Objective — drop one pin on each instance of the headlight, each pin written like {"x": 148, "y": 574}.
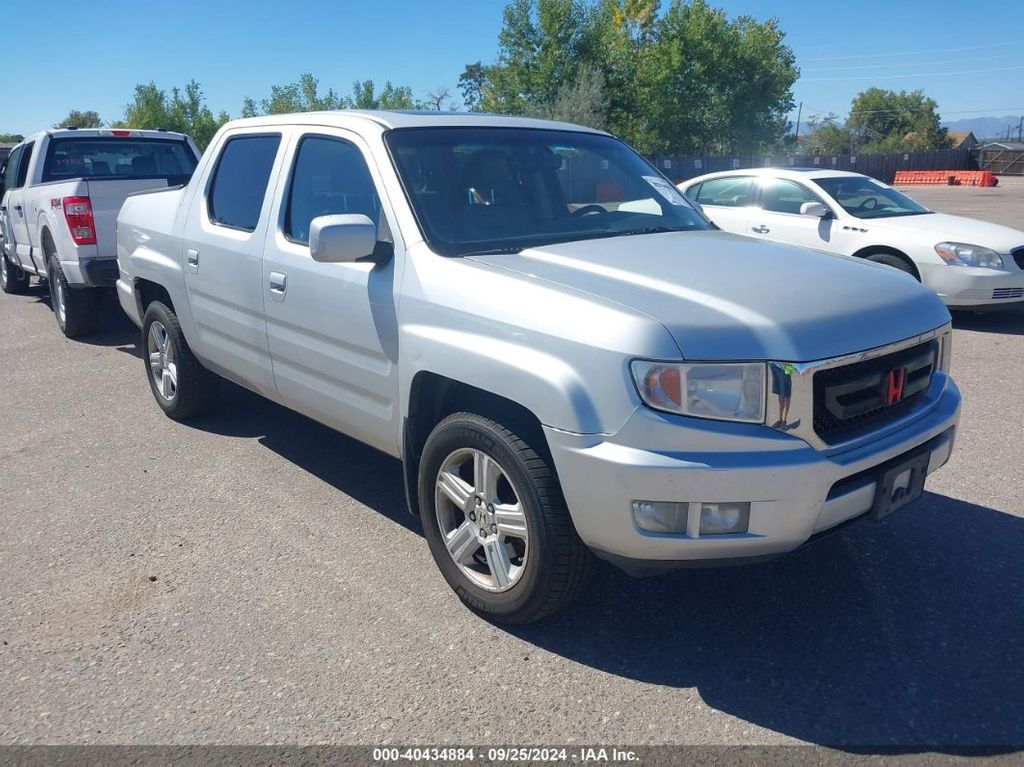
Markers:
{"x": 722, "y": 391}
{"x": 962, "y": 254}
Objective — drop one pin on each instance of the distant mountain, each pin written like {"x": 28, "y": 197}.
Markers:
{"x": 986, "y": 127}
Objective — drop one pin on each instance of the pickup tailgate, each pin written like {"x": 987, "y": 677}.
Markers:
{"x": 107, "y": 196}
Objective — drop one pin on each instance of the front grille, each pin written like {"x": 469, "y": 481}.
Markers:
{"x": 851, "y": 400}
{"x": 1003, "y": 293}
{"x": 1018, "y": 256}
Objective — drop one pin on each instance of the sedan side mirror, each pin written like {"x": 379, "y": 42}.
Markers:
{"x": 816, "y": 209}
{"x": 341, "y": 238}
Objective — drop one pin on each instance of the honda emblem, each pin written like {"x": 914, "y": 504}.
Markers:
{"x": 892, "y": 386}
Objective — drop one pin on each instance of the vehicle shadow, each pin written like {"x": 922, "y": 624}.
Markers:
{"x": 367, "y": 475}
{"x": 113, "y": 328}
{"x": 905, "y": 635}
{"x": 1007, "y": 321}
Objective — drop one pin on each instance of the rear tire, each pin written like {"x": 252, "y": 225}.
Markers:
{"x": 896, "y": 262}
{"x": 182, "y": 387}
{"x": 496, "y": 522}
{"x": 13, "y": 279}
{"x": 76, "y": 309}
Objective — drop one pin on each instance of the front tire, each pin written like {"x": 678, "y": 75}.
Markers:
{"x": 75, "y": 310}
{"x": 896, "y": 262}
{"x": 496, "y": 522}
{"x": 182, "y": 387}
{"x": 13, "y": 279}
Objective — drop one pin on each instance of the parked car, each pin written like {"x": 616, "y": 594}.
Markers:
{"x": 565, "y": 365}
{"x": 61, "y": 192}
{"x": 969, "y": 263}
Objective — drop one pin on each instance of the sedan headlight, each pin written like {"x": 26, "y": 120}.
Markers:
{"x": 721, "y": 391}
{"x": 962, "y": 254}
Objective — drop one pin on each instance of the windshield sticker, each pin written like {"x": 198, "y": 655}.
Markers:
{"x": 666, "y": 190}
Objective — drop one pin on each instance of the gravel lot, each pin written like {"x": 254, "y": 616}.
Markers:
{"x": 254, "y": 578}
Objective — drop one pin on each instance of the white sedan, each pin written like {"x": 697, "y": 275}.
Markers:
{"x": 969, "y": 263}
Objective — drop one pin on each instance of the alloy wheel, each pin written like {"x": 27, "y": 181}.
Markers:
{"x": 162, "y": 365}
{"x": 481, "y": 518}
{"x": 59, "y": 298}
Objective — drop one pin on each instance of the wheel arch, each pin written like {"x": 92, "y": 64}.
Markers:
{"x": 872, "y": 250}
{"x": 433, "y": 397}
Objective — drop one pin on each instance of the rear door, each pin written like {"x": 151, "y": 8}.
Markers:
{"x": 17, "y": 213}
{"x": 726, "y": 200}
{"x": 223, "y": 240}
{"x": 333, "y": 327}
{"x": 777, "y": 215}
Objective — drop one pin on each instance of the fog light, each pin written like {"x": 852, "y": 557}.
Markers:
{"x": 660, "y": 516}
{"x": 722, "y": 518}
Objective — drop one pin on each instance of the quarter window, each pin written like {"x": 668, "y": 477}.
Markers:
{"x": 240, "y": 180}
{"x": 11, "y": 170}
{"x": 728, "y": 192}
{"x": 330, "y": 178}
{"x": 781, "y": 196}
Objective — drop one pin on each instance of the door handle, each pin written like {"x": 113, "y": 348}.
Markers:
{"x": 192, "y": 257}
{"x": 762, "y": 229}
{"x": 18, "y": 208}
{"x": 278, "y": 282}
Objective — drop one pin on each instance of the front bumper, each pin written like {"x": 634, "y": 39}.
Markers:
{"x": 794, "y": 490}
{"x": 965, "y": 286}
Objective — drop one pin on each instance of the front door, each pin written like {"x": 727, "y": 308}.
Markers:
{"x": 223, "y": 242}
{"x": 333, "y": 328}
{"x": 15, "y": 214}
{"x": 726, "y": 201}
{"x": 777, "y": 216}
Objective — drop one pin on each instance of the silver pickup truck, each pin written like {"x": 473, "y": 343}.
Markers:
{"x": 567, "y": 357}
{"x": 60, "y": 193}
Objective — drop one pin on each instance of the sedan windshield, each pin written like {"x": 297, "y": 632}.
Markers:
{"x": 864, "y": 197}
{"x": 487, "y": 190}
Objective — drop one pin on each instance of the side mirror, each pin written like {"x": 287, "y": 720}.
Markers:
{"x": 341, "y": 238}
{"x": 815, "y": 209}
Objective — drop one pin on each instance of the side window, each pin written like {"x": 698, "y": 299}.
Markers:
{"x": 779, "y": 195}
{"x": 11, "y": 172}
{"x": 26, "y": 157}
{"x": 330, "y": 177}
{"x": 728, "y": 192}
{"x": 240, "y": 180}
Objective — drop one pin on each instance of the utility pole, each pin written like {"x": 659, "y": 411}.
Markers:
{"x": 1020, "y": 129}
{"x": 799, "y": 112}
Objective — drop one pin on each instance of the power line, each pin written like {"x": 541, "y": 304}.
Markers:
{"x": 912, "y": 63}
{"x": 910, "y": 53}
{"x": 919, "y": 74}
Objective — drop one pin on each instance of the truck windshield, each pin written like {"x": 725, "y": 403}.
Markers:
{"x": 864, "y": 197}
{"x": 486, "y": 190}
{"x": 115, "y": 157}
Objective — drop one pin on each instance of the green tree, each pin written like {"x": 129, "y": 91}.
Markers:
{"x": 826, "y": 136}
{"x": 184, "y": 111}
{"x": 583, "y": 101}
{"x": 76, "y": 119}
{"x": 895, "y": 121}
{"x": 305, "y": 96}
{"x": 11, "y": 138}
{"x": 365, "y": 96}
{"x": 473, "y": 83}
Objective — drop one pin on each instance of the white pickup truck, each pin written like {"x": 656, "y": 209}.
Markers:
{"x": 61, "y": 191}
{"x": 563, "y": 352}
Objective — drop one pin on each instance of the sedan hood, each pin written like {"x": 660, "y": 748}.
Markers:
{"x": 726, "y": 297}
{"x": 940, "y": 227}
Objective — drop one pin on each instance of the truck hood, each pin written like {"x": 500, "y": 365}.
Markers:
{"x": 941, "y": 227}
{"x": 726, "y": 297}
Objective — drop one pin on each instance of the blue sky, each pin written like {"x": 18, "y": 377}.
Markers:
{"x": 965, "y": 55}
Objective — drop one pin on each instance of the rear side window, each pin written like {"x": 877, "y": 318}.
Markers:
{"x": 728, "y": 192}
{"x": 330, "y": 178}
{"x": 26, "y": 157}
{"x": 116, "y": 157}
{"x": 240, "y": 180}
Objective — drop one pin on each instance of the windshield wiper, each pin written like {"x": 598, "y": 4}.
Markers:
{"x": 653, "y": 230}
{"x": 507, "y": 251}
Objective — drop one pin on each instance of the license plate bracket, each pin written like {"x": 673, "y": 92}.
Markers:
{"x": 900, "y": 485}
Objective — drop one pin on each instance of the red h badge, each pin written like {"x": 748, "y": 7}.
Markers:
{"x": 893, "y": 386}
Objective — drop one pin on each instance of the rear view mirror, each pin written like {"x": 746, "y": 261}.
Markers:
{"x": 341, "y": 238}
{"x": 815, "y": 209}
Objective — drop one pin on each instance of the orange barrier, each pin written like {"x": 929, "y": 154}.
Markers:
{"x": 941, "y": 177}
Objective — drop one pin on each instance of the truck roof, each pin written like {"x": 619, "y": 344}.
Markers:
{"x": 105, "y": 132}
{"x": 388, "y": 119}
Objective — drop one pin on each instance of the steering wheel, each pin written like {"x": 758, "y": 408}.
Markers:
{"x": 865, "y": 206}
{"x": 589, "y": 210}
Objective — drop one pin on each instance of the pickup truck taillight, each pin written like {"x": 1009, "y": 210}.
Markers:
{"x": 78, "y": 214}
